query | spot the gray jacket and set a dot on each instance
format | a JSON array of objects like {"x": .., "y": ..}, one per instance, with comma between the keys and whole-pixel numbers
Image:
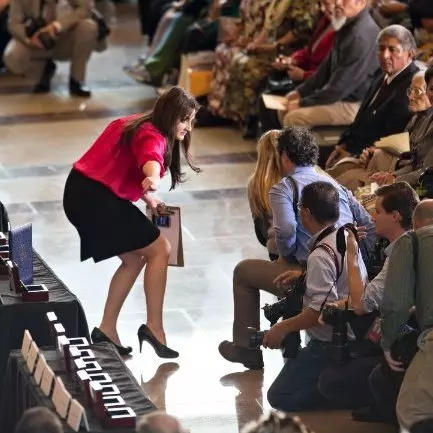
[
  {"x": 22, "y": 10},
  {"x": 347, "y": 72}
]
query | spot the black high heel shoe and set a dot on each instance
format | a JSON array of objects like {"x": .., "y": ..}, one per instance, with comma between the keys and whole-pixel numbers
[
  {"x": 163, "y": 351},
  {"x": 99, "y": 337}
]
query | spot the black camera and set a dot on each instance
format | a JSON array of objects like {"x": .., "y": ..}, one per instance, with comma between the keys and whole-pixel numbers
[
  {"x": 290, "y": 305},
  {"x": 338, "y": 318},
  {"x": 33, "y": 25},
  {"x": 255, "y": 338}
]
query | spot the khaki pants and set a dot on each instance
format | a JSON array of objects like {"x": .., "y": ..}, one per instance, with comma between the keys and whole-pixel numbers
[
  {"x": 415, "y": 400},
  {"x": 340, "y": 113},
  {"x": 249, "y": 277},
  {"x": 75, "y": 45}
]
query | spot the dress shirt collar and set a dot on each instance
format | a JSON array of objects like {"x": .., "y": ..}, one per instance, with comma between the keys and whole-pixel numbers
[
  {"x": 314, "y": 238},
  {"x": 389, "y": 78}
]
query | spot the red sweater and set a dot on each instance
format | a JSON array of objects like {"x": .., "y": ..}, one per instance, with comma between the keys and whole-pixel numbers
[
  {"x": 119, "y": 166},
  {"x": 310, "y": 57}
]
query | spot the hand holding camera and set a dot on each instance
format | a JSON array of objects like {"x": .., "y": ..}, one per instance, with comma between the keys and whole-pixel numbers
[
  {"x": 40, "y": 34},
  {"x": 274, "y": 337}
]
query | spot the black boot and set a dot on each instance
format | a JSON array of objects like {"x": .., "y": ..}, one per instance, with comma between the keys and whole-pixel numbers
[
  {"x": 44, "y": 84},
  {"x": 79, "y": 89}
]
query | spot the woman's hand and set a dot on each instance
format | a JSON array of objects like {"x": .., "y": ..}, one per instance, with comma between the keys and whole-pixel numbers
[
  {"x": 366, "y": 155},
  {"x": 258, "y": 48},
  {"x": 149, "y": 184},
  {"x": 152, "y": 202},
  {"x": 382, "y": 178},
  {"x": 295, "y": 73}
]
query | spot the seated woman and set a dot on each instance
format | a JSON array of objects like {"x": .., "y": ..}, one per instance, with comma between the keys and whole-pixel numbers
[
  {"x": 288, "y": 25},
  {"x": 376, "y": 165},
  {"x": 304, "y": 62},
  {"x": 252, "y": 16},
  {"x": 164, "y": 53},
  {"x": 266, "y": 174}
]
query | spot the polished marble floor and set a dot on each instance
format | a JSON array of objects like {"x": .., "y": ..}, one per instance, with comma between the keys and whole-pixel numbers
[{"x": 42, "y": 135}]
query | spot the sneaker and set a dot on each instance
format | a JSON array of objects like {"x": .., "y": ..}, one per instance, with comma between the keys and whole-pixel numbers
[
  {"x": 138, "y": 72},
  {"x": 250, "y": 358}
]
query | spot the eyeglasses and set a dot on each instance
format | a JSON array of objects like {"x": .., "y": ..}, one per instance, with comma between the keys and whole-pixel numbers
[{"x": 416, "y": 91}]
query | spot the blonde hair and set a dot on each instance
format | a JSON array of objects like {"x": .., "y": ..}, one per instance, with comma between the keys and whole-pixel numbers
[{"x": 266, "y": 173}]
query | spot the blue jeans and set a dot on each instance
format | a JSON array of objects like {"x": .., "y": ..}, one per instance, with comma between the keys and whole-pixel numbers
[{"x": 295, "y": 388}]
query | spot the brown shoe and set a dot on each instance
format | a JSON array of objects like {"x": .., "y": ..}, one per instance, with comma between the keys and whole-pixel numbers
[{"x": 250, "y": 358}]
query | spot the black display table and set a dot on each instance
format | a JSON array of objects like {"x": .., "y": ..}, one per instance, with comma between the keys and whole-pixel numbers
[
  {"x": 22, "y": 391},
  {"x": 17, "y": 316}
]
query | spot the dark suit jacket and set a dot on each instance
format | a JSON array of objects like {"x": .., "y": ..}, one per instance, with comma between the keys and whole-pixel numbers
[{"x": 389, "y": 113}]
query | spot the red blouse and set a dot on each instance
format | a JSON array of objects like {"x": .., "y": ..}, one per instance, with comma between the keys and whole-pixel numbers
[
  {"x": 119, "y": 166},
  {"x": 310, "y": 57}
]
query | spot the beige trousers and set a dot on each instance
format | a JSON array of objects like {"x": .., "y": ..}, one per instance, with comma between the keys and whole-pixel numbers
[
  {"x": 75, "y": 45},
  {"x": 340, "y": 113},
  {"x": 249, "y": 277},
  {"x": 415, "y": 400}
]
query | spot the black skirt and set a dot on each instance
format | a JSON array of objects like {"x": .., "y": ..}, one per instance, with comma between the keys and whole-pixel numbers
[{"x": 108, "y": 225}]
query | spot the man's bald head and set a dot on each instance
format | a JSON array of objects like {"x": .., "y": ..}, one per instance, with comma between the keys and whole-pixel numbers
[
  {"x": 158, "y": 422},
  {"x": 423, "y": 214}
]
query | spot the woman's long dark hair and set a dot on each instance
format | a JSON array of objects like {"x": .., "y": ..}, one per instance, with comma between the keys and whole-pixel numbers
[{"x": 173, "y": 106}]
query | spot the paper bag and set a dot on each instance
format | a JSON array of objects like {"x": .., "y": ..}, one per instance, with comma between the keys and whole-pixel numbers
[
  {"x": 196, "y": 72},
  {"x": 275, "y": 102},
  {"x": 169, "y": 222},
  {"x": 395, "y": 144}
]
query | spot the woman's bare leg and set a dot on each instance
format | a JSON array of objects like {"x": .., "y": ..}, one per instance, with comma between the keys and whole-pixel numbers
[
  {"x": 120, "y": 286},
  {"x": 155, "y": 280}
]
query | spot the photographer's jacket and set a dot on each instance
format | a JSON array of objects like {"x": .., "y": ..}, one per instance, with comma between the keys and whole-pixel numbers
[
  {"x": 322, "y": 279},
  {"x": 22, "y": 10}
]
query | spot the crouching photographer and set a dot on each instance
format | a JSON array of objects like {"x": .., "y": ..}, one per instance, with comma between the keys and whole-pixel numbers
[
  {"x": 376, "y": 389},
  {"x": 42, "y": 32},
  {"x": 295, "y": 388}
]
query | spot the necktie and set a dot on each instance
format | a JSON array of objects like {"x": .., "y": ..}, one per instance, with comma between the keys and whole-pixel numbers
[{"x": 381, "y": 87}]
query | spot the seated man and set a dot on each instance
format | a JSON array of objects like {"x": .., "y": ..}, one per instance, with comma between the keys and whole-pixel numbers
[
  {"x": 295, "y": 388},
  {"x": 34, "y": 45},
  {"x": 384, "y": 110},
  {"x": 405, "y": 287},
  {"x": 394, "y": 208},
  {"x": 39, "y": 420},
  {"x": 298, "y": 155},
  {"x": 332, "y": 96}
]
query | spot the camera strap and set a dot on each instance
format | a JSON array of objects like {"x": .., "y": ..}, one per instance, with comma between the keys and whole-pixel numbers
[
  {"x": 295, "y": 191},
  {"x": 332, "y": 254}
]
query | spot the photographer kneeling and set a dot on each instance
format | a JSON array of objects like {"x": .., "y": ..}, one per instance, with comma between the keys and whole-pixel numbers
[
  {"x": 394, "y": 208},
  {"x": 41, "y": 34},
  {"x": 295, "y": 388}
]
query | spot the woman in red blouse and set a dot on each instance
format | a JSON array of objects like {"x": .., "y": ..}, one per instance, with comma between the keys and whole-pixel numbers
[{"x": 124, "y": 164}]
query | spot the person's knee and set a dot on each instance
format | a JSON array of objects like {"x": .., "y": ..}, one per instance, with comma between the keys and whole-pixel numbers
[
  {"x": 295, "y": 118},
  {"x": 132, "y": 260},
  {"x": 328, "y": 383},
  {"x": 163, "y": 246},
  {"x": 240, "y": 272},
  {"x": 15, "y": 59},
  {"x": 278, "y": 398},
  {"x": 87, "y": 29}
]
